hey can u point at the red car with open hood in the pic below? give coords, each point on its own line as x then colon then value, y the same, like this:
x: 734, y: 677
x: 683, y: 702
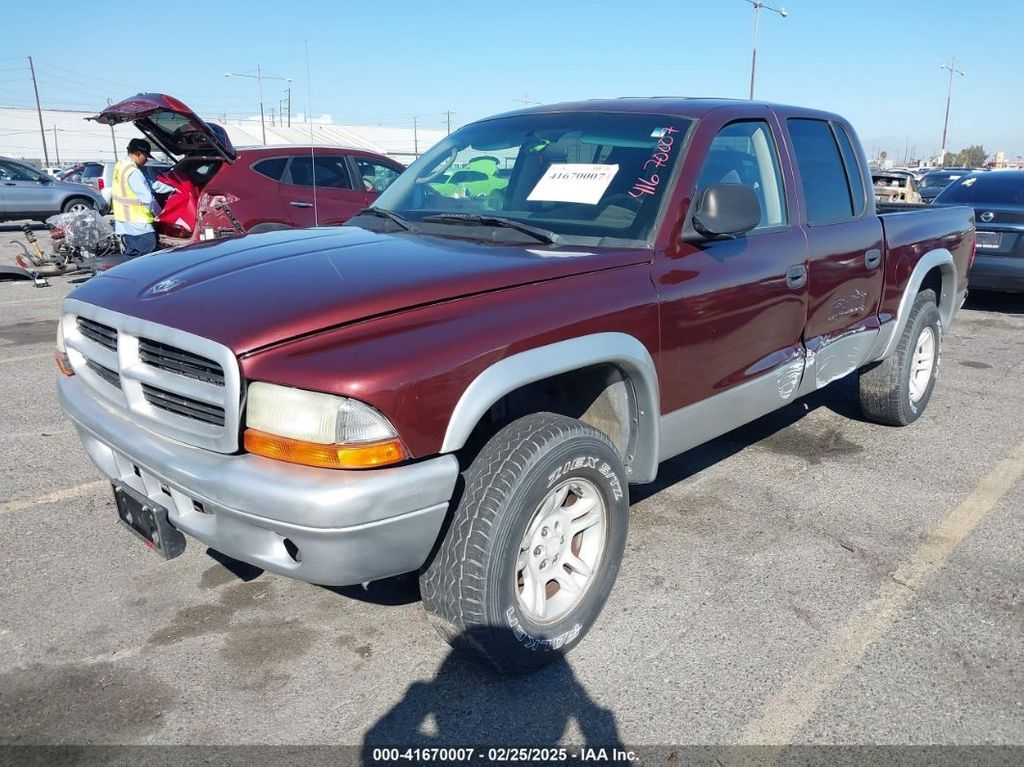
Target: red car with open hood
x: 223, y: 191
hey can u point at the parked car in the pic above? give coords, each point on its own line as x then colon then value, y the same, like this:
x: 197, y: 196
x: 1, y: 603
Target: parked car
x: 152, y: 170
x: 892, y: 186
x: 998, y: 202
x: 291, y: 186
x: 26, y: 193
x: 52, y: 172
x: 467, y: 385
x: 936, y: 181
x: 83, y: 172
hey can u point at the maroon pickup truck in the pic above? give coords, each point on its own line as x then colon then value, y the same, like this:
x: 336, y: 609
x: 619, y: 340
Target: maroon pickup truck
x: 465, y: 379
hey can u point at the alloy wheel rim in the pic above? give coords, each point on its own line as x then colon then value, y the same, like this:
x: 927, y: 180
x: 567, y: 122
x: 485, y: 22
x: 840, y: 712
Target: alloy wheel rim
x: 78, y: 207
x: 561, y: 550
x: 922, y: 364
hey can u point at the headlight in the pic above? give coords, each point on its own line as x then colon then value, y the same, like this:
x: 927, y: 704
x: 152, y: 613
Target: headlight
x: 318, y: 429
x: 61, y: 355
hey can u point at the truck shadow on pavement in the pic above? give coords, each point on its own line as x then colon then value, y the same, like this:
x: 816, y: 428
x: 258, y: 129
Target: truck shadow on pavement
x: 1004, y: 303
x: 467, y: 704
x: 840, y: 397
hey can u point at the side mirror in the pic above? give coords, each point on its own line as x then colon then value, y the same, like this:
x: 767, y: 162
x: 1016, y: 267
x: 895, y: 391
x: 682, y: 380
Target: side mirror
x: 725, y: 210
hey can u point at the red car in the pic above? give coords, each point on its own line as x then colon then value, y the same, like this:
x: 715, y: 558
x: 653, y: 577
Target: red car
x: 265, y: 187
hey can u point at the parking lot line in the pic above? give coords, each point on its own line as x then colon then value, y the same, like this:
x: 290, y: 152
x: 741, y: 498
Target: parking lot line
x: 58, y: 495
x: 26, y: 358
x: 46, y: 299
x: 792, y: 707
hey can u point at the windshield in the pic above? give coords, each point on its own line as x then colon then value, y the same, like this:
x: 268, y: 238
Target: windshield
x: 586, y: 177
x: 986, y: 188
x: 939, y: 180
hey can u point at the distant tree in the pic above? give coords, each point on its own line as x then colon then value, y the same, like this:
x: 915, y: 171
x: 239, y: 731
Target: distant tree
x: 882, y: 157
x: 973, y: 156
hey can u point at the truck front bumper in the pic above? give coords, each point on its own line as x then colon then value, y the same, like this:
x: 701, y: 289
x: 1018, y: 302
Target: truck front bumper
x: 324, y: 526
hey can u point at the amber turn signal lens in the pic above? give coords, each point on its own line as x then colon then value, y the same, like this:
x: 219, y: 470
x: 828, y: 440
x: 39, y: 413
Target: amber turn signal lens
x: 63, y: 363
x: 324, y: 456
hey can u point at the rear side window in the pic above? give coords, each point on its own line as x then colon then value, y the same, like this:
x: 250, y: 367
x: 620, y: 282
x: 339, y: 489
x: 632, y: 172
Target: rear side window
x: 272, y: 168
x: 744, y: 153
x: 92, y: 171
x: 822, y: 174
x: 331, y: 171
x: 853, y: 176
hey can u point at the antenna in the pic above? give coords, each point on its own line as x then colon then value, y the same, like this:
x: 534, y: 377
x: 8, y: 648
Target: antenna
x: 309, y: 120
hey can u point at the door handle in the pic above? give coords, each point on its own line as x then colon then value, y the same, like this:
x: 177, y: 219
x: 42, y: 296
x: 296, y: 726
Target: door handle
x: 872, y: 258
x: 297, y: 204
x: 796, y: 276
x: 9, y: 183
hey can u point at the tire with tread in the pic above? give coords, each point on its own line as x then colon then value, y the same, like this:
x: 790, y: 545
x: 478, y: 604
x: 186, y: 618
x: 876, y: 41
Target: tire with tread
x: 73, y: 201
x: 469, y: 587
x: 885, y: 387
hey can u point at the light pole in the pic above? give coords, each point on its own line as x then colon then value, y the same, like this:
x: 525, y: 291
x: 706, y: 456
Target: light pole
x: 951, y: 66
x: 259, y: 77
x: 758, y: 5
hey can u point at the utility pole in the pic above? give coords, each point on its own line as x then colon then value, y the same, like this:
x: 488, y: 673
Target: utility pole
x: 56, y: 146
x: 951, y: 66
x: 271, y: 121
x: 259, y: 77
x: 525, y: 100
x: 758, y: 5
x: 449, y: 114
x: 113, y: 139
x: 289, y: 106
x: 415, y: 138
x: 39, y: 111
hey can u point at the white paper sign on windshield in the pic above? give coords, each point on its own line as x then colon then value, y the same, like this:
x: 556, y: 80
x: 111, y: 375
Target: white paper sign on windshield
x: 575, y: 182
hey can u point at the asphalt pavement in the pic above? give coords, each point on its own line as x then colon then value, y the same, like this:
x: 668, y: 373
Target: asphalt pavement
x: 809, y: 578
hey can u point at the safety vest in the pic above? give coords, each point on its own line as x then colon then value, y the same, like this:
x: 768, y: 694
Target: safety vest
x: 127, y: 207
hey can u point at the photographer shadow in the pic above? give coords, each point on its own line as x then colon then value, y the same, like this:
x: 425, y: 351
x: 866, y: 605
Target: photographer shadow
x: 468, y: 704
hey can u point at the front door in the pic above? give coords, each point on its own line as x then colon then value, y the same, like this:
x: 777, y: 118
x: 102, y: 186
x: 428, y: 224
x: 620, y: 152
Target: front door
x: 733, y: 310
x: 26, y: 192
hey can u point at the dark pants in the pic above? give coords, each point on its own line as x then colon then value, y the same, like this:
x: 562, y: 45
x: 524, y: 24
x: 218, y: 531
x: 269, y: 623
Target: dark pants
x: 139, y: 244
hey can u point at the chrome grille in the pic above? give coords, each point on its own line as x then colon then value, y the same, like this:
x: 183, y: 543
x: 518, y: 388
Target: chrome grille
x: 180, y: 361
x: 108, y: 375
x: 174, y: 383
x: 104, y: 335
x: 190, y: 408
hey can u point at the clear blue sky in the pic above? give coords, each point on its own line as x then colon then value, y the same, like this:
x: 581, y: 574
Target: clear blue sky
x: 382, y: 62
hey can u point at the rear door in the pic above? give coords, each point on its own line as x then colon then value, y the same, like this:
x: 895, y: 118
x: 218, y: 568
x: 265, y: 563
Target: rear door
x: 733, y: 310
x: 318, y: 189
x: 845, y: 247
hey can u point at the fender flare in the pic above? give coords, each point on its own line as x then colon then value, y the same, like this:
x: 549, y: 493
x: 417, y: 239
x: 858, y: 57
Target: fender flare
x: 890, y: 333
x: 510, y: 373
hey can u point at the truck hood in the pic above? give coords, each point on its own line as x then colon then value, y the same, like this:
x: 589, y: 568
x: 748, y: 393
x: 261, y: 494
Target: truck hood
x: 258, y: 290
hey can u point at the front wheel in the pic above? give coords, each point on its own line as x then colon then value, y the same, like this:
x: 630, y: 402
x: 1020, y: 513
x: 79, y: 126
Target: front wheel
x: 77, y: 205
x: 533, y: 545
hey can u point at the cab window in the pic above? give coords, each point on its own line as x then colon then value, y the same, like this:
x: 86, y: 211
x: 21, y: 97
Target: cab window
x: 744, y: 153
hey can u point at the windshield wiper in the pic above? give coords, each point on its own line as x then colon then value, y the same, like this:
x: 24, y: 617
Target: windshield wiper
x: 476, y: 219
x: 390, y: 215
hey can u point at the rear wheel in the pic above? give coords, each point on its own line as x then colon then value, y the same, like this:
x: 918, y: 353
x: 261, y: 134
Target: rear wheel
x: 77, y: 205
x: 268, y: 227
x: 534, y: 543
x: 897, y: 390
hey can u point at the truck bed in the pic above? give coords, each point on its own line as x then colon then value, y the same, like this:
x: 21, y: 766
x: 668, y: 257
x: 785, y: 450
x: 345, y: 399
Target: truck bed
x: 911, y: 232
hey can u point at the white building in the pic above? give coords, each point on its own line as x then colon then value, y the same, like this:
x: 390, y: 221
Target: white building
x: 72, y: 138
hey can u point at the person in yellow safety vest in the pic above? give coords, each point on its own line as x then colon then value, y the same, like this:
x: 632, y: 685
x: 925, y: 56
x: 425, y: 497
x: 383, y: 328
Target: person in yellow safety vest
x: 135, y: 207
